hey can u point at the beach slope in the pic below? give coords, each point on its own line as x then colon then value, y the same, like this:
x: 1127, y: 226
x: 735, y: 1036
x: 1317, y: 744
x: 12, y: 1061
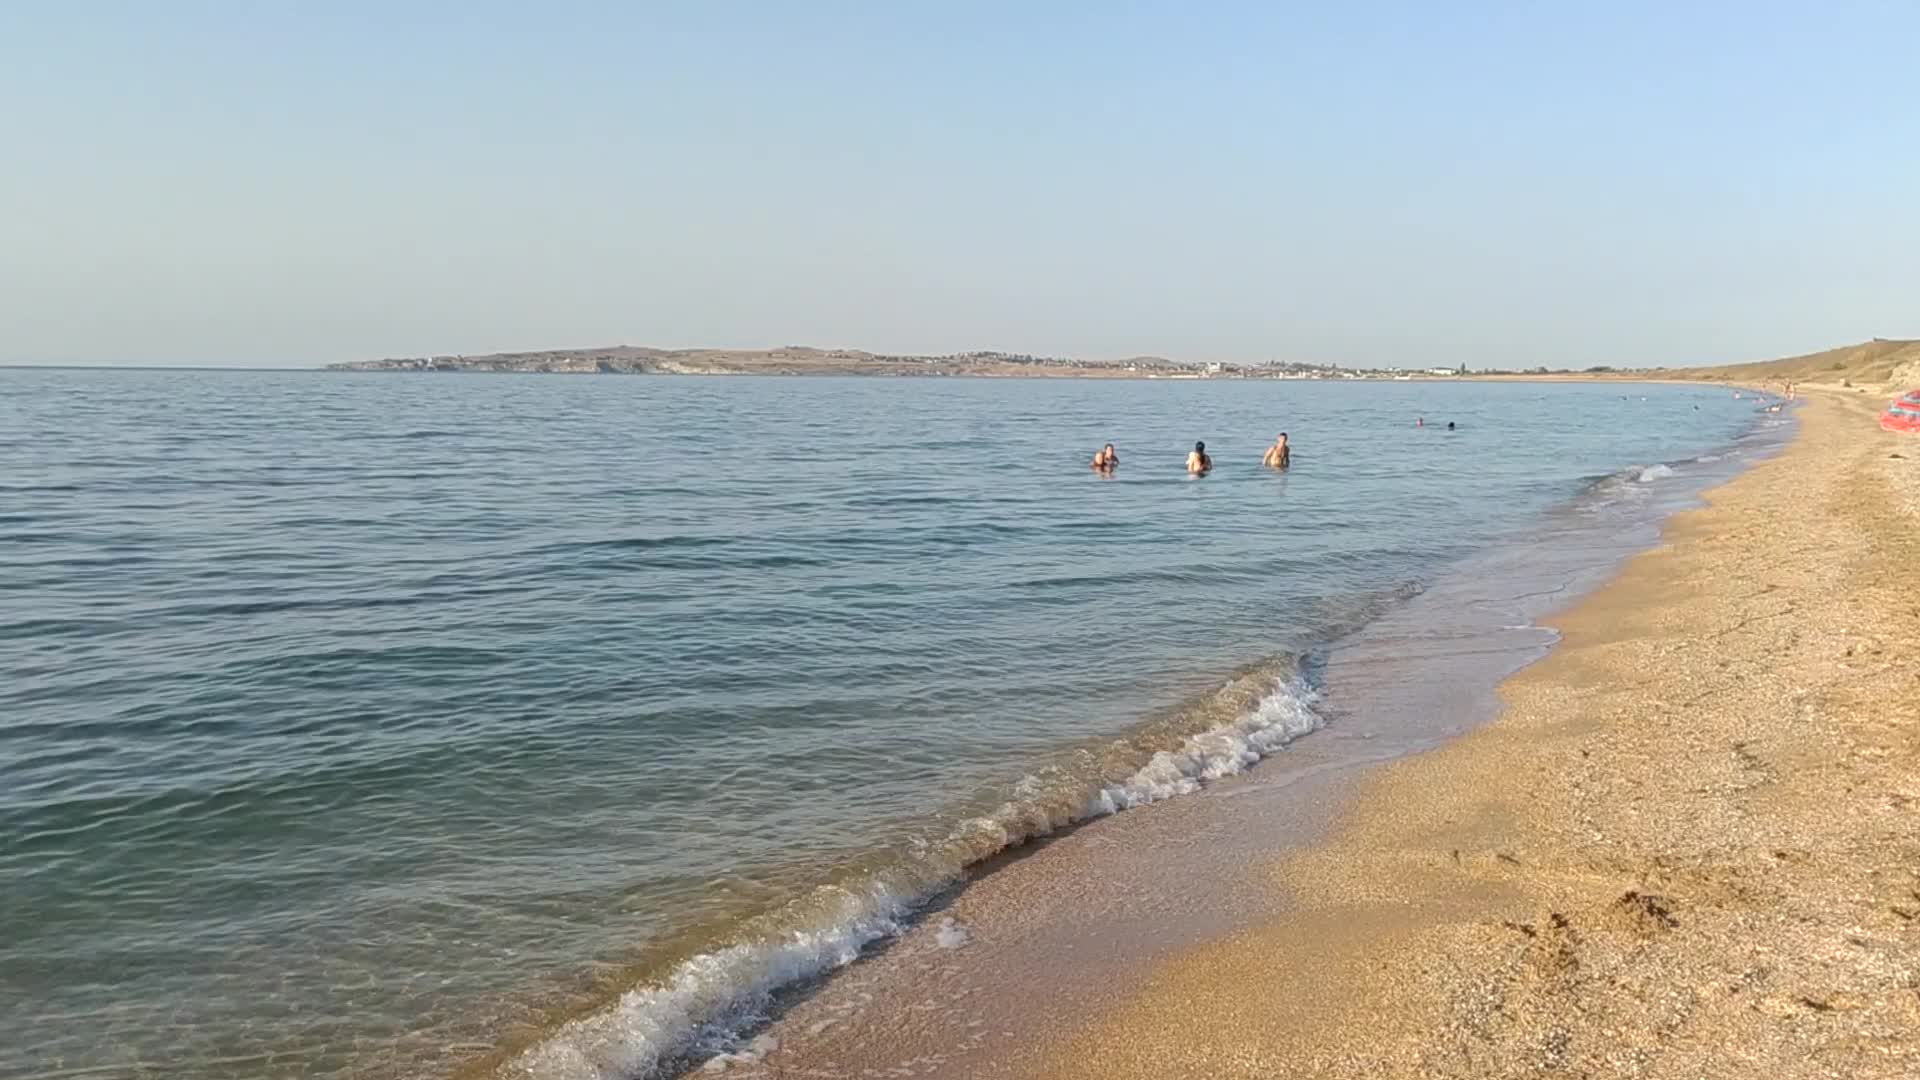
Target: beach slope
x: 1882, y: 362
x: 1689, y: 846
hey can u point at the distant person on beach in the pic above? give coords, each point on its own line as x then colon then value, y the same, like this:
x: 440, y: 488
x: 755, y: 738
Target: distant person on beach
x: 1198, y: 463
x: 1106, y: 459
x: 1279, y: 455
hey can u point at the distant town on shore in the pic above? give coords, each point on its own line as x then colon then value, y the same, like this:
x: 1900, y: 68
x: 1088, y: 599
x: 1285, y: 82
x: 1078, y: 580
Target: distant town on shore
x: 805, y: 360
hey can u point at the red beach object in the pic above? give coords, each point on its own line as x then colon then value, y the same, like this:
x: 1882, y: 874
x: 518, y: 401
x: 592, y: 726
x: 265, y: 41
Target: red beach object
x: 1904, y: 414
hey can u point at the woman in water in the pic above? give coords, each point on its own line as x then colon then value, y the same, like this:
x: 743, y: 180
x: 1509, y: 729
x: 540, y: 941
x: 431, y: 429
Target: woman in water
x: 1106, y: 459
x: 1198, y: 463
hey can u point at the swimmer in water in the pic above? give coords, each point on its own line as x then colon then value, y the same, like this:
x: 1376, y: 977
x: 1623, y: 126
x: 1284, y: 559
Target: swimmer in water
x: 1279, y: 455
x: 1198, y: 463
x: 1449, y: 425
x: 1106, y: 459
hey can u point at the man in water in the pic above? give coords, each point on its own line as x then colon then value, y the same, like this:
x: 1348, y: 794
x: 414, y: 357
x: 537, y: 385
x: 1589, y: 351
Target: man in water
x: 1106, y: 459
x: 1278, y: 455
x: 1198, y: 463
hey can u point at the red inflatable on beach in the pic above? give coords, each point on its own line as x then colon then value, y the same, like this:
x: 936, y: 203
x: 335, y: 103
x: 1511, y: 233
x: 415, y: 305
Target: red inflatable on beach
x: 1903, y: 414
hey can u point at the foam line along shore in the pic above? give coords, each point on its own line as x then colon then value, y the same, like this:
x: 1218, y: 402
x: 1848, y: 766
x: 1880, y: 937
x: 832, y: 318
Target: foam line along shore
x: 699, y: 1009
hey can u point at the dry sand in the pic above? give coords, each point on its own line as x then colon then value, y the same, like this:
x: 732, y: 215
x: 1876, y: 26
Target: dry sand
x: 1689, y: 847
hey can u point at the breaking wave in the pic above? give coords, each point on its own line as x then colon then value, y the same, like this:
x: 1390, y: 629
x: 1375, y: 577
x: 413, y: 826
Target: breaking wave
x: 703, y: 1005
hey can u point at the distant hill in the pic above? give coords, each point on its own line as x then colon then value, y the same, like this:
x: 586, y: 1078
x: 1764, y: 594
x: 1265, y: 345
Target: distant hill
x: 1880, y: 363
x: 1873, y: 365
x: 787, y: 360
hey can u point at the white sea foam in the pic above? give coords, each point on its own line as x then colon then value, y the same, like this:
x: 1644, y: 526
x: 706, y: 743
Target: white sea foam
x: 1281, y: 717
x: 753, y: 1054
x: 710, y: 995
x: 1630, y: 483
x: 705, y: 1002
x: 951, y: 934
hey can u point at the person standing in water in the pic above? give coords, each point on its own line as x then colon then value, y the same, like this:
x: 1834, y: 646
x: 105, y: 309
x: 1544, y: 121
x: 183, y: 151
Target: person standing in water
x: 1279, y: 455
x: 1198, y: 463
x: 1106, y: 459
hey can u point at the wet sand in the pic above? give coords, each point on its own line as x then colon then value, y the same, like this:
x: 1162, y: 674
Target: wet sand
x: 1688, y: 847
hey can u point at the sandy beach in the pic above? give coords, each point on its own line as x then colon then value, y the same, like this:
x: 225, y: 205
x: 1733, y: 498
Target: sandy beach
x: 939, y: 542
x: 1688, y: 847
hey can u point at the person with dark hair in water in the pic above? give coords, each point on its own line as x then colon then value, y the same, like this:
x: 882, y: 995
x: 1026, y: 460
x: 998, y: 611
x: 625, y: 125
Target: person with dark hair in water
x: 1198, y: 463
x: 1279, y: 455
x: 1106, y: 459
x: 1449, y: 425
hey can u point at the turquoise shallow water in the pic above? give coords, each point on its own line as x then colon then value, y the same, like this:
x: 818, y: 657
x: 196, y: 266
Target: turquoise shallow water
x: 355, y: 724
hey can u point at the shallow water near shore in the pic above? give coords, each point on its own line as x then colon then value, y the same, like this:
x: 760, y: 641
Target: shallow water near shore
x: 381, y: 725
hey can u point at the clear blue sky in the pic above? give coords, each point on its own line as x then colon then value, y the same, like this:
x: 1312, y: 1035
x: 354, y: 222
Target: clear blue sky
x: 1504, y: 184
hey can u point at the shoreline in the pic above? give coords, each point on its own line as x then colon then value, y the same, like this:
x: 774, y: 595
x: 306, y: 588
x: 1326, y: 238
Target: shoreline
x: 1113, y: 897
x: 1689, y: 845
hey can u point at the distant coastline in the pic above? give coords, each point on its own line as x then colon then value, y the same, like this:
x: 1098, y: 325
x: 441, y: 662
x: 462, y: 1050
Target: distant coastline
x: 807, y: 360
x: 1877, y: 362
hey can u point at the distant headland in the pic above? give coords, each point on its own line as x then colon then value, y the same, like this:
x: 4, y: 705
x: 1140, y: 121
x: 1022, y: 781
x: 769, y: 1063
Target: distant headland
x: 1881, y: 361
x: 807, y: 360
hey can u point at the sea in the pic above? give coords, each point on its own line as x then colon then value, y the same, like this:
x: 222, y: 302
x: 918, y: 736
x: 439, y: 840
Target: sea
x: 369, y: 725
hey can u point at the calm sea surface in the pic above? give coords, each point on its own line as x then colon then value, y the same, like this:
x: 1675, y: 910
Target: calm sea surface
x: 371, y: 724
